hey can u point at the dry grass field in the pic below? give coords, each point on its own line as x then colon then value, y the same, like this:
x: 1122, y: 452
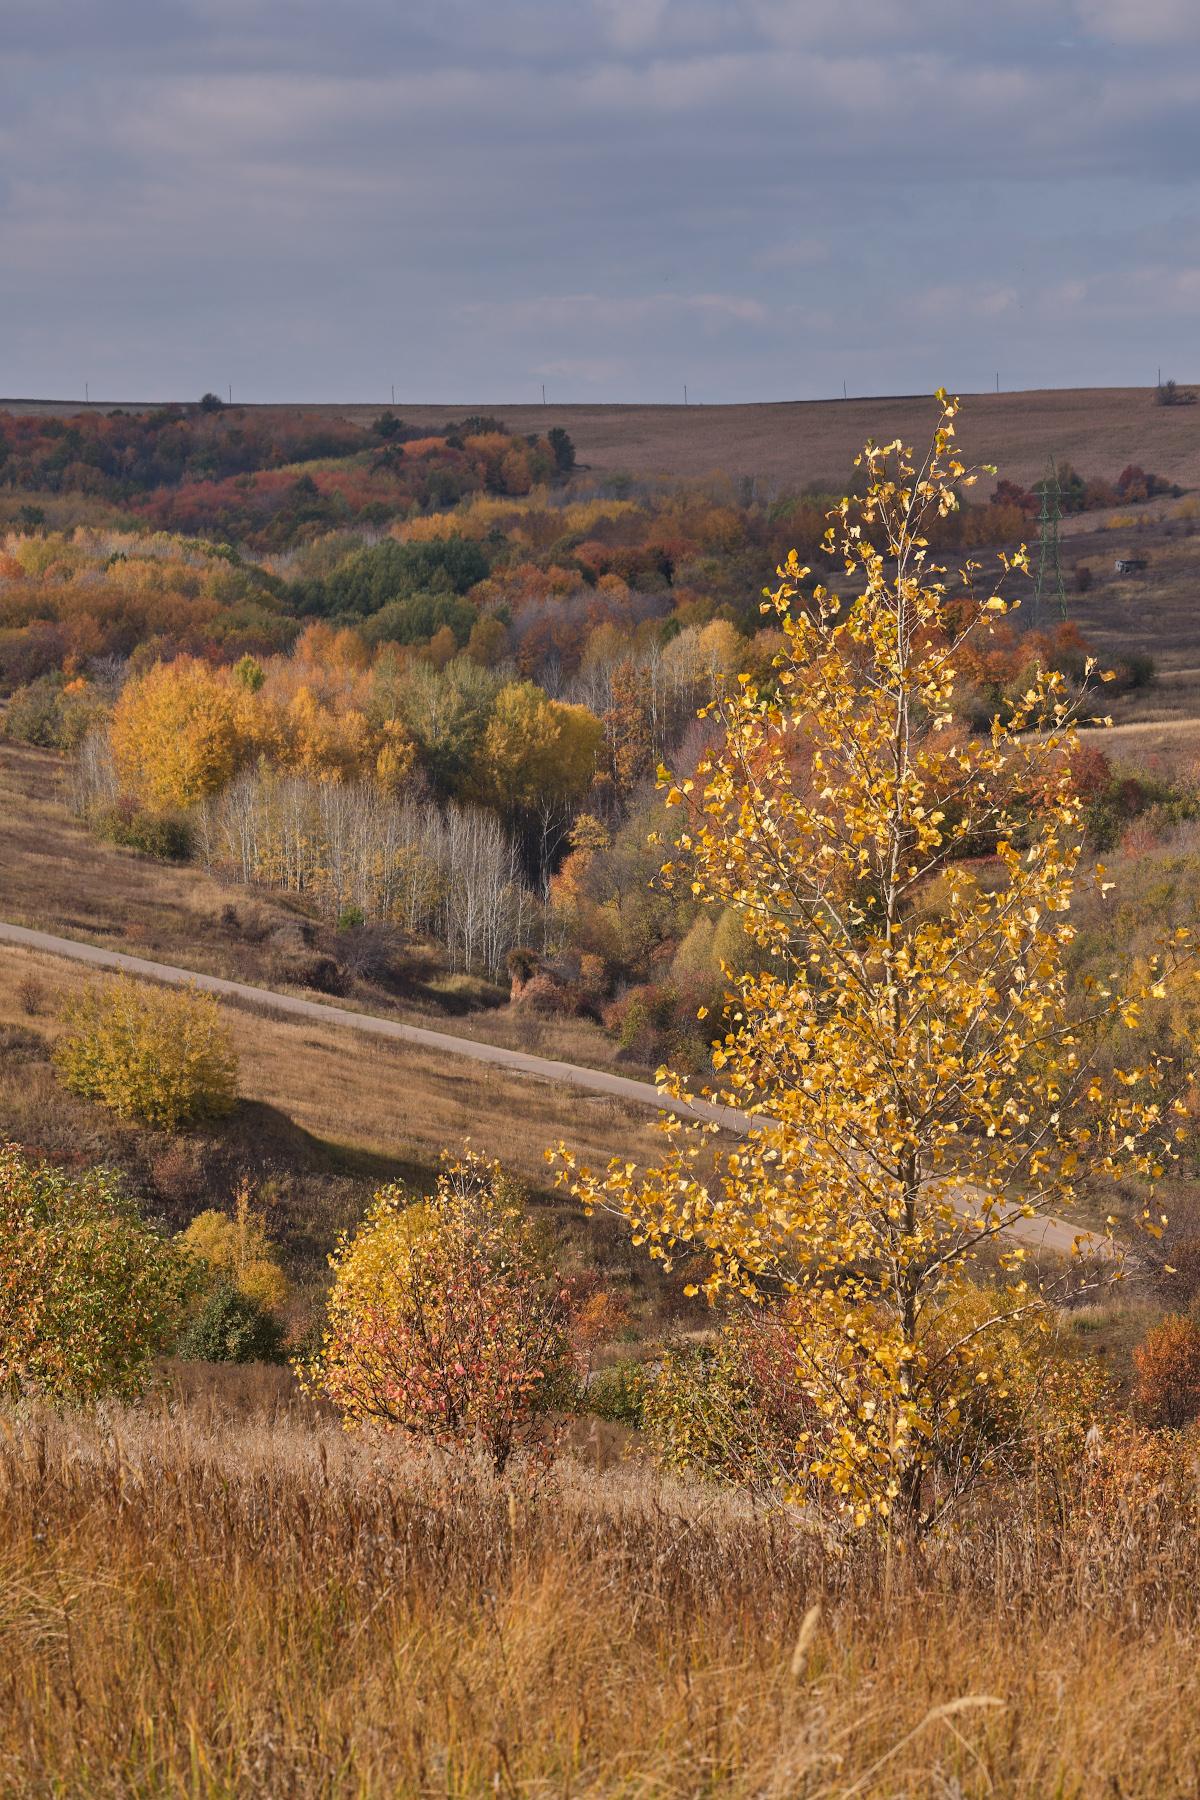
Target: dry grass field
x: 796, y: 442
x: 230, y: 1602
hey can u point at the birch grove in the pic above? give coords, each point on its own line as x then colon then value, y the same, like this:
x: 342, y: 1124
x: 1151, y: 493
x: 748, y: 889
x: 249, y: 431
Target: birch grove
x: 451, y: 872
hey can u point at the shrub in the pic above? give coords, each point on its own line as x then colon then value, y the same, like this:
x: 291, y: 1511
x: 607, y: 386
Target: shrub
x: 231, y: 1327
x: 1169, y: 393
x: 238, y: 1253
x: 641, y: 1017
x: 733, y: 1408
x: 31, y: 992
x: 446, y: 1319
x: 89, y: 1294
x: 305, y: 968
x: 34, y: 714
x: 164, y: 835
x: 617, y: 1393
x: 549, y: 998
x: 53, y: 713
x: 598, y: 1316
x: 160, y: 1055
x: 1168, y: 1373
x: 368, y: 952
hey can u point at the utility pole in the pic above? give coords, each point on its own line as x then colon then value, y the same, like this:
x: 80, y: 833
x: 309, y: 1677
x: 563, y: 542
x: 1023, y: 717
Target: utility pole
x: 231, y: 393
x: 87, y: 399
x: 843, y: 390
x: 997, y: 381
x: 543, y: 393
x: 1049, y: 579
x: 393, y: 393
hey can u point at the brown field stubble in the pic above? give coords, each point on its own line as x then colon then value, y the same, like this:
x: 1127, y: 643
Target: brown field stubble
x: 211, y: 1607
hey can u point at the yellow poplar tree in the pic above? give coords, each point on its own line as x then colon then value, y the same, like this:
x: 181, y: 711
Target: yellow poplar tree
x: 536, y: 749
x: 918, y: 1079
x: 179, y: 732
x: 238, y: 1247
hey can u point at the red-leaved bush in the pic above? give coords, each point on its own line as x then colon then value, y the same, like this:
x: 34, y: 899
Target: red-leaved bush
x: 447, y: 1319
x: 1168, y: 1373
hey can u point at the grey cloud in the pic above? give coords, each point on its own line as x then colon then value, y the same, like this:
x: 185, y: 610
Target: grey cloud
x: 1161, y: 23
x: 475, y: 195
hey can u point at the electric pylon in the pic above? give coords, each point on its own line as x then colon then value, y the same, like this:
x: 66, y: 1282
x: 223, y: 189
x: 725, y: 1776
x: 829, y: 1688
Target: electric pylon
x: 1049, y: 580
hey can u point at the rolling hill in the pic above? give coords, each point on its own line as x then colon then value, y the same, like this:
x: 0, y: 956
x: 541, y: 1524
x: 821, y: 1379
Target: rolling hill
x: 796, y: 442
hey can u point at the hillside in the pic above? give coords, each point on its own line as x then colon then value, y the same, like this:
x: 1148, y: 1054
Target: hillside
x: 797, y: 442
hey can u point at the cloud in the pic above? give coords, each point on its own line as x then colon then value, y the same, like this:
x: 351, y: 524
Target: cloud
x: 1168, y: 23
x: 952, y: 300
x: 602, y: 312
x: 794, y: 253
x: 631, y: 24
x: 473, y: 193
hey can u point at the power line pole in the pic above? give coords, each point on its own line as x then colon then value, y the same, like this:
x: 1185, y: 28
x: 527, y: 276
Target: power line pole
x: 1049, y: 569
x: 87, y: 398
x: 685, y: 399
x: 543, y: 393
x: 393, y: 393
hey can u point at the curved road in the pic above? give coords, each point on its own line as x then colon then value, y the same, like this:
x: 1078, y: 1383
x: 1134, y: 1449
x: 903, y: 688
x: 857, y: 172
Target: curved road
x: 1050, y: 1234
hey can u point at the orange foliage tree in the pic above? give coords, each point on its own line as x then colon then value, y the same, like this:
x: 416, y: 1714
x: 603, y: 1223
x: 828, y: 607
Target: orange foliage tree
x: 1168, y: 1373
x: 446, y: 1319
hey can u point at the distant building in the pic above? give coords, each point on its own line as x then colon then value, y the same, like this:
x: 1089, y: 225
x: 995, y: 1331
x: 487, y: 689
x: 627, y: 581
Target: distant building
x: 1129, y: 565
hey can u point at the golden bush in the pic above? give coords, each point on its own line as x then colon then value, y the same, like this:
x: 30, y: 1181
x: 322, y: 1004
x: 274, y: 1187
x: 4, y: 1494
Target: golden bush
x: 238, y: 1249
x: 160, y: 1055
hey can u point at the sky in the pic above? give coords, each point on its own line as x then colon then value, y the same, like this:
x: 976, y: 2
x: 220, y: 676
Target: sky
x: 313, y: 200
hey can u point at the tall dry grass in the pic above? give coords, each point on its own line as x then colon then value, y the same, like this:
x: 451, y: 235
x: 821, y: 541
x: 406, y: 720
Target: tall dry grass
x: 193, y: 1603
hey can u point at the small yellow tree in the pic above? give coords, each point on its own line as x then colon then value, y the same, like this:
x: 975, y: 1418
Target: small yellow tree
x: 162, y: 1055
x: 916, y: 1073
x: 238, y: 1248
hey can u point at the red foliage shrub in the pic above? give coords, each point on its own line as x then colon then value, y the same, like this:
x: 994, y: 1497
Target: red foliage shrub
x: 1168, y: 1373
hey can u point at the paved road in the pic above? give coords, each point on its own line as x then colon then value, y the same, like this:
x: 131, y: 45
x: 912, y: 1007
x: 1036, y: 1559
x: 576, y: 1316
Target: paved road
x: 1054, y: 1235
x: 599, y: 1081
